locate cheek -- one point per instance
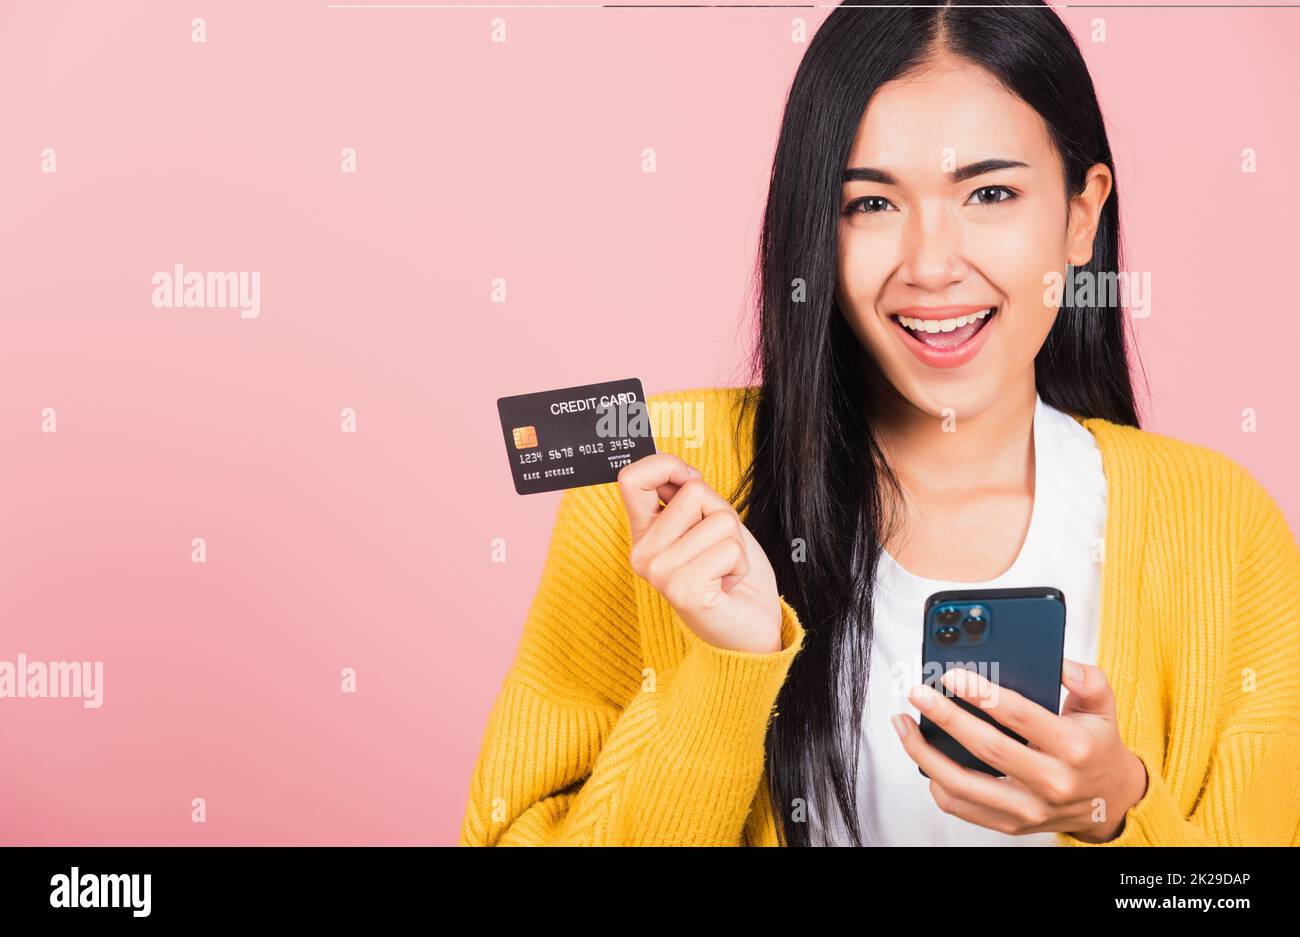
(1017, 259)
(861, 277)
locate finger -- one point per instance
(722, 559)
(752, 549)
(1090, 694)
(720, 525)
(989, 818)
(694, 501)
(1044, 729)
(966, 783)
(1028, 818)
(640, 482)
(982, 739)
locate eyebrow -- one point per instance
(962, 173)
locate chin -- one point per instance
(960, 396)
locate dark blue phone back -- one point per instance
(1013, 637)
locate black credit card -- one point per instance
(575, 436)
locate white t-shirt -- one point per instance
(1062, 548)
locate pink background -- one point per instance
(372, 550)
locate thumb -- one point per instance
(1089, 690)
(647, 481)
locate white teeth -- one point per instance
(941, 325)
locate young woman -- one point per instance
(722, 648)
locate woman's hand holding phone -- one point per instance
(694, 550)
(1074, 764)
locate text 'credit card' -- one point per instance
(575, 436)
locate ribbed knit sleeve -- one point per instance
(1251, 793)
(587, 746)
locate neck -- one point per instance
(992, 448)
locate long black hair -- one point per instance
(814, 495)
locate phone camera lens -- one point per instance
(947, 634)
(975, 626)
(948, 616)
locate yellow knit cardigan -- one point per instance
(617, 725)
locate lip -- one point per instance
(941, 312)
(944, 357)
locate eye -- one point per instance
(993, 189)
(868, 205)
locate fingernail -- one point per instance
(900, 725)
(922, 697)
(955, 679)
(695, 473)
(1073, 672)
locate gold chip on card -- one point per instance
(525, 437)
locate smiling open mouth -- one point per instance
(945, 334)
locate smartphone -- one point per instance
(1012, 637)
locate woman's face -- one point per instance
(939, 249)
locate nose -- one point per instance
(932, 249)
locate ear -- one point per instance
(1085, 213)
